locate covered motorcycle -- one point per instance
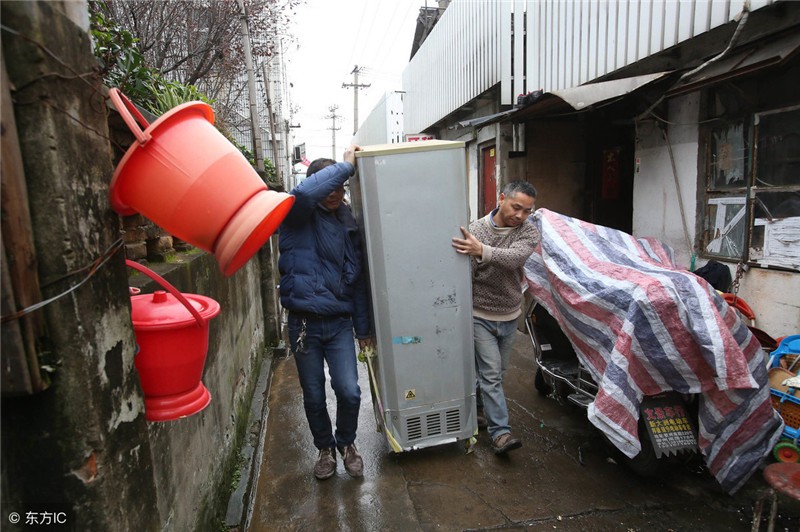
(641, 326)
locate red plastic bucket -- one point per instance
(172, 334)
(186, 177)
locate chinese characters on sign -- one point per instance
(669, 426)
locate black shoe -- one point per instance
(326, 464)
(353, 463)
(504, 443)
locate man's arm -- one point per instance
(512, 257)
(316, 187)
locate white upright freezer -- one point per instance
(410, 200)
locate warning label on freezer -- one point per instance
(411, 394)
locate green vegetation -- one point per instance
(123, 65)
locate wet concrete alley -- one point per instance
(561, 479)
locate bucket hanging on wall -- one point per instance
(172, 334)
(186, 177)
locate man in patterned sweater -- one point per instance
(499, 245)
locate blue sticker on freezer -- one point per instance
(407, 339)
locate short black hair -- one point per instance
(519, 186)
(317, 165)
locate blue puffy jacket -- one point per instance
(321, 264)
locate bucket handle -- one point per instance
(126, 109)
(172, 290)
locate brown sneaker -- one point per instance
(326, 464)
(504, 443)
(353, 463)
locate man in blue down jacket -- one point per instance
(323, 286)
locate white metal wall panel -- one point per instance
(702, 16)
(583, 55)
(719, 13)
(671, 19)
(531, 45)
(685, 20)
(565, 43)
(519, 49)
(602, 37)
(591, 70)
(612, 42)
(537, 31)
(561, 37)
(623, 23)
(632, 51)
(505, 53)
(656, 25)
(547, 32)
(642, 30)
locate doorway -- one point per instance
(488, 188)
(610, 176)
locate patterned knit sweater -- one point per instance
(497, 276)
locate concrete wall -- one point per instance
(83, 446)
(656, 210)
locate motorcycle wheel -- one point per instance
(644, 464)
(541, 385)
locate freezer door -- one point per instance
(411, 201)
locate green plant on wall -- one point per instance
(168, 94)
(123, 65)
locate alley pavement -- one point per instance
(561, 479)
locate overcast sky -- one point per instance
(331, 38)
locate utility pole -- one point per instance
(251, 85)
(268, 93)
(333, 116)
(356, 85)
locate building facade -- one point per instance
(674, 120)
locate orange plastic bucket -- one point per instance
(186, 177)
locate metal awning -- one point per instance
(484, 120)
(746, 60)
(578, 98)
(740, 62)
(584, 97)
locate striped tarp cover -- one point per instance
(642, 326)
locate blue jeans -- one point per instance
(493, 343)
(327, 340)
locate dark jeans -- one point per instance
(327, 340)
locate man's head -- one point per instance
(517, 201)
(334, 199)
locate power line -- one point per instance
(378, 51)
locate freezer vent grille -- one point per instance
(453, 419)
(434, 424)
(414, 428)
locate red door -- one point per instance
(488, 182)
